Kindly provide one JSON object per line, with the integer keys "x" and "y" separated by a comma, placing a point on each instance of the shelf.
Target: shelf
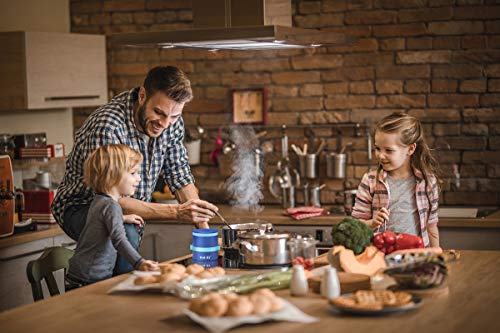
{"x": 340, "y": 125}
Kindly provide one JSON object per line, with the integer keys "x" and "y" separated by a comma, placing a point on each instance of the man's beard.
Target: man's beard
{"x": 142, "y": 119}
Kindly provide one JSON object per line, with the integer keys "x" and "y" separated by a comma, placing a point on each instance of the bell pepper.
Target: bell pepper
{"x": 406, "y": 241}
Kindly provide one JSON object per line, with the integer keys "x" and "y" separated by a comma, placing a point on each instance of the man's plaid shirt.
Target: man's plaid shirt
{"x": 114, "y": 123}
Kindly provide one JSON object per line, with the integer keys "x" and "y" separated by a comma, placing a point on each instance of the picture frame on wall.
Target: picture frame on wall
{"x": 249, "y": 106}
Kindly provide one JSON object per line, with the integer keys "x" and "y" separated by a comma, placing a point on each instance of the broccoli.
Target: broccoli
{"x": 352, "y": 234}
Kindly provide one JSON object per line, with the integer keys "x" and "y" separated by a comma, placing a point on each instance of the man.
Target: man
{"x": 148, "y": 119}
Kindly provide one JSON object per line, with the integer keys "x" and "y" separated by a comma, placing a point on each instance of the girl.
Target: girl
{"x": 402, "y": 194}
{"x": 111, "y": 171}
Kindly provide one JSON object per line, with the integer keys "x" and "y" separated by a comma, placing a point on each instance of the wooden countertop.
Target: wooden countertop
{"x": 26, "y": 237}
{"x": 272, "y": 214}
{"x": 471, "y": 306}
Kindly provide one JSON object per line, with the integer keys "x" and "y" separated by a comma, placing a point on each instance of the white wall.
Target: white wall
{"x": 37, "y": 15}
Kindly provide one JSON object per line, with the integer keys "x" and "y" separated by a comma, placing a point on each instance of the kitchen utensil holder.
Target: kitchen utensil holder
{"x": 308, "y": 166}
{"x": 336, "y": 165}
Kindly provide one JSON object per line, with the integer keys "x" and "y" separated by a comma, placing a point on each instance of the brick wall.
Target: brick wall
{"x": 436, "y": 59}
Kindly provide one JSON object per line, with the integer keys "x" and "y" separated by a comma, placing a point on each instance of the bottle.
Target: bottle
{"x": 298, "y": 284}
{"x": 330, "y": 285}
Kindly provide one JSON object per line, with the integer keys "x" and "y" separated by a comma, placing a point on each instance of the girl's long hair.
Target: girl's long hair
{"x": 410, "y": 131}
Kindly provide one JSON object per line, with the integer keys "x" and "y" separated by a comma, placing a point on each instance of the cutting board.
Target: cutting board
{"x": 349, "y": 282}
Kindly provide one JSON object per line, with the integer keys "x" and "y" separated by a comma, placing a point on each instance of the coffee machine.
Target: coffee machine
{"x": 7, "y": 203}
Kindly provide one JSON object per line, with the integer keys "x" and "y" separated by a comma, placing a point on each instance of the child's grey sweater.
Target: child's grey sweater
{"x": 101, "y": 238}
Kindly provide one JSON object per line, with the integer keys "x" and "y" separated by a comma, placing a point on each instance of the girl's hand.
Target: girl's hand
{"x": 381, "y": 216}
{"x": 148, "y": 265}
{"x": 134, "y": 219}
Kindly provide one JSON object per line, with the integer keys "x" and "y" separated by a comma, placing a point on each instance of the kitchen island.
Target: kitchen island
{"x": 470, "y": 306}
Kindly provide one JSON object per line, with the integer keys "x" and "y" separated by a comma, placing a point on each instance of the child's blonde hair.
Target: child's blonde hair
{"x": 410, "y": 131}
{"x": 106, "y": 165}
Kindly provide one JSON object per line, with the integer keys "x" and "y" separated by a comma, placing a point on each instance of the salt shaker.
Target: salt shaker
{"x": 330, "y": 285}
{"x": 298, "y": 284}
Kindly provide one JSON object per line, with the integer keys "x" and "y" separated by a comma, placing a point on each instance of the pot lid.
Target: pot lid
{"x": 264, "y": 235}
{"x": 250, "y": 226}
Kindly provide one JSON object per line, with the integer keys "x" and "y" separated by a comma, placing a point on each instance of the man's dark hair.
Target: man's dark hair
{"x": 169, "y": 80}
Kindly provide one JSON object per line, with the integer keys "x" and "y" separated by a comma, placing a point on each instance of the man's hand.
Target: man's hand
{"x": 196, "y": 211}
{"x": 134, "y": 219}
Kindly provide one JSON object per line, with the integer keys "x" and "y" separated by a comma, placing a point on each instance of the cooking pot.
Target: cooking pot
{"x": 229, "y": 236}
{"x": 264, "y": 248}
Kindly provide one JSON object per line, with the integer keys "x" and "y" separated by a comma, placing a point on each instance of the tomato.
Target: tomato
{"x": 389, "y": 237}
{"x": 308, "y": 264}
{"x": 378, "y": 241}
{"x": 390, "y": 249}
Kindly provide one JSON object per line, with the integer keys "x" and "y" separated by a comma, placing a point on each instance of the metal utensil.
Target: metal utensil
{"x": 223, "y": 220}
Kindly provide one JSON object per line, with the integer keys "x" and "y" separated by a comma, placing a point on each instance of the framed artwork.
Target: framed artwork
{"x": 249, "y": 106}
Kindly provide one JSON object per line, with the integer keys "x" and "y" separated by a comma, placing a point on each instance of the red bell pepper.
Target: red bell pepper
{"x": 406, "y": 241}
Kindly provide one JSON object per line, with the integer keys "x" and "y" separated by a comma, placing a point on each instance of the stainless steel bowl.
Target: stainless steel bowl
{"x": 264, "y": 248}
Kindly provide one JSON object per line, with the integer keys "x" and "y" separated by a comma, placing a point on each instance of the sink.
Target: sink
{"x": 466, "y": 212}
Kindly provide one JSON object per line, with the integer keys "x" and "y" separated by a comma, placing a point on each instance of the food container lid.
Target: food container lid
{"x": 264, "y": 235}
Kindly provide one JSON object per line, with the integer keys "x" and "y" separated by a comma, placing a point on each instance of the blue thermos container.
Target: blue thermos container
{"x": 205, "y": 247}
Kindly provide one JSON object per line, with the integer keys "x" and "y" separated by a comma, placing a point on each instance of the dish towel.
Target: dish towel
{"x": 304, "y": 212}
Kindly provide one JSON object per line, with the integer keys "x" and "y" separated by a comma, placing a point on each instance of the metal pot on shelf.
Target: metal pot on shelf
{"x": 264, "y": 248}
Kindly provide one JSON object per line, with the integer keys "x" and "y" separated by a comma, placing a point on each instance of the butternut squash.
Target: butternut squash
{"x": 368, "y": 262}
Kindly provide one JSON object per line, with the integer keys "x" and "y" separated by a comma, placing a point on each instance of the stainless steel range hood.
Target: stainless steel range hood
{"x": 236, "y": 25}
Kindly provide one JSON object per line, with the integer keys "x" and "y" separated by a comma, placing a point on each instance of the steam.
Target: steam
{"x": 244, "y": 186}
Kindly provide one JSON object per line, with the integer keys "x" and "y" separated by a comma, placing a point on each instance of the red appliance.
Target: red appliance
{"x": 37, "y": 205}
{"x": 7, "y": 204}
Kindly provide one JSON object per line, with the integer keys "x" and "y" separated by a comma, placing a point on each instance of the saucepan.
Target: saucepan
{"x": 229, "y": 236}
{"x": 264, "y": 248}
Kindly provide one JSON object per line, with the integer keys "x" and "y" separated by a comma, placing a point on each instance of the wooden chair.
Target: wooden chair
{"x": 51, "y": 260}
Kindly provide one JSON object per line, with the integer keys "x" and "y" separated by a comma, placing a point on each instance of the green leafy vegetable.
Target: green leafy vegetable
{"x": 352, "y": 234}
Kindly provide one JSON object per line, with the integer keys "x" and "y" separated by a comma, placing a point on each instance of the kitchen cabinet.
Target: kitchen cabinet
{"x": 15, "y": 290}
{"x": 164, "y": 241}
{"x": 46, "y": 70}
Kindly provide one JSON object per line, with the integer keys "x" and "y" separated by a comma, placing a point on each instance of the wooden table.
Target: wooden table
{"x": 472, "y": 305}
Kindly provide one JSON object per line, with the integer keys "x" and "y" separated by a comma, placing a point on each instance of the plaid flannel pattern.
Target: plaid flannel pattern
{"x": 372, "y": 196}
{"x": 114, "y": 123}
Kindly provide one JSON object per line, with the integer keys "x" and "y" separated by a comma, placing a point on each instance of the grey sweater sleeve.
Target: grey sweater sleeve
{"x": 114, "y": 223}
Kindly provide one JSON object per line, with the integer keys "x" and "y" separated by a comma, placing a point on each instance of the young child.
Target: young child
{"x": 111, "y": 171}
{"x": 402, "y": 194}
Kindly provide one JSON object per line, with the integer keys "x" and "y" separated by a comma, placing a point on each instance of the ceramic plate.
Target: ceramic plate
{"x": 416, "y": 303}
